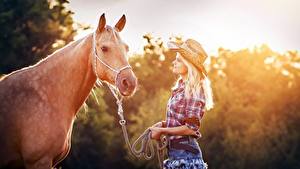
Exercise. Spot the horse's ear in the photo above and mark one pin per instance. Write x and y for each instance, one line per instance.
(101, 24)
(121, 23)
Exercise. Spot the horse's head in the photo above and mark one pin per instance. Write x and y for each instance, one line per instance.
(110, 57)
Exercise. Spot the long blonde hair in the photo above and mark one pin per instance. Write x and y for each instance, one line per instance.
(196, 84)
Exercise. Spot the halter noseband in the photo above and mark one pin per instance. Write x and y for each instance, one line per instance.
(117, 71)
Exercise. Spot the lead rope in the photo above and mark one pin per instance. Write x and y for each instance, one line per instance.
(146, 148)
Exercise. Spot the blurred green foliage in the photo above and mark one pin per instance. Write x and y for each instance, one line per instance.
(32, 29)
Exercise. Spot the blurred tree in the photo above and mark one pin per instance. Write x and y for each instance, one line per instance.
(253, 122)
(31, 29)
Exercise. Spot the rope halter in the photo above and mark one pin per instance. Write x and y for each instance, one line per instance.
(96, 57)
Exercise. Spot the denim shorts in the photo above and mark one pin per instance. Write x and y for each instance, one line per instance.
(182, 159)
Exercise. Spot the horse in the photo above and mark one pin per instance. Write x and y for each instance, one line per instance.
(38, 103)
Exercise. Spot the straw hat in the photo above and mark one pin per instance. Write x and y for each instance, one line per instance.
(192, 51)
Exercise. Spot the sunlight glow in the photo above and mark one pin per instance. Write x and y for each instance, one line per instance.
(230, 24)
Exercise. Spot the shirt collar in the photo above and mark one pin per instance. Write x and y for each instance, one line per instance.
(181, 83)
(180, 86)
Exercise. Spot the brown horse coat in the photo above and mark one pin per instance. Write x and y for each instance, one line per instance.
(38, 103)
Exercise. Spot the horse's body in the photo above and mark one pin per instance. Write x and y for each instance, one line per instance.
(38, 105)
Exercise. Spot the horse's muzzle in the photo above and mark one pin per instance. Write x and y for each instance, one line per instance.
(127, 83)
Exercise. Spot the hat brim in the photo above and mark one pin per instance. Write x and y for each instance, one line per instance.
(173, 46)
(190, 59)
(203, 70)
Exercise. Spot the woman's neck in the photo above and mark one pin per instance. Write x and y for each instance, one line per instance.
(183, 77)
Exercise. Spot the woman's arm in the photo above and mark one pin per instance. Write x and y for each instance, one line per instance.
(180, 130)
(160, 124)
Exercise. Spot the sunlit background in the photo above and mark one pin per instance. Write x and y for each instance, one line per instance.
(254, 68)
(232, 24)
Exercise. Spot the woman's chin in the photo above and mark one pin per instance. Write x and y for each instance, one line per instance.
(174, 71)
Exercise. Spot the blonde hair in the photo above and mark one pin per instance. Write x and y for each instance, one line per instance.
(196, 84)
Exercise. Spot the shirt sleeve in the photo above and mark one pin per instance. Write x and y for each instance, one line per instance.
(194, 111)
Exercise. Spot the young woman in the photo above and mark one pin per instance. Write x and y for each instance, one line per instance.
(191, 96)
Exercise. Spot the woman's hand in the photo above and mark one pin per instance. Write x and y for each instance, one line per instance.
(197, 134)
(155, 133)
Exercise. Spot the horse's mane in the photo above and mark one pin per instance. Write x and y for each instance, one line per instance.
(43, 60)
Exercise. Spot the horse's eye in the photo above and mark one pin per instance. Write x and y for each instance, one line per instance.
(104, 48)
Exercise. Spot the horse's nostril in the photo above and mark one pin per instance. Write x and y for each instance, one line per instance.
(125, 83)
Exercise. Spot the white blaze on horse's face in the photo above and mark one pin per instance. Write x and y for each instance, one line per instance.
(113, 51)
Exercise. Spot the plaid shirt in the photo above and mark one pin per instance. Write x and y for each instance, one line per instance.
(183, 111)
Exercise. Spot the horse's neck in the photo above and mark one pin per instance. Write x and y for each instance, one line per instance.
(66, 78)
